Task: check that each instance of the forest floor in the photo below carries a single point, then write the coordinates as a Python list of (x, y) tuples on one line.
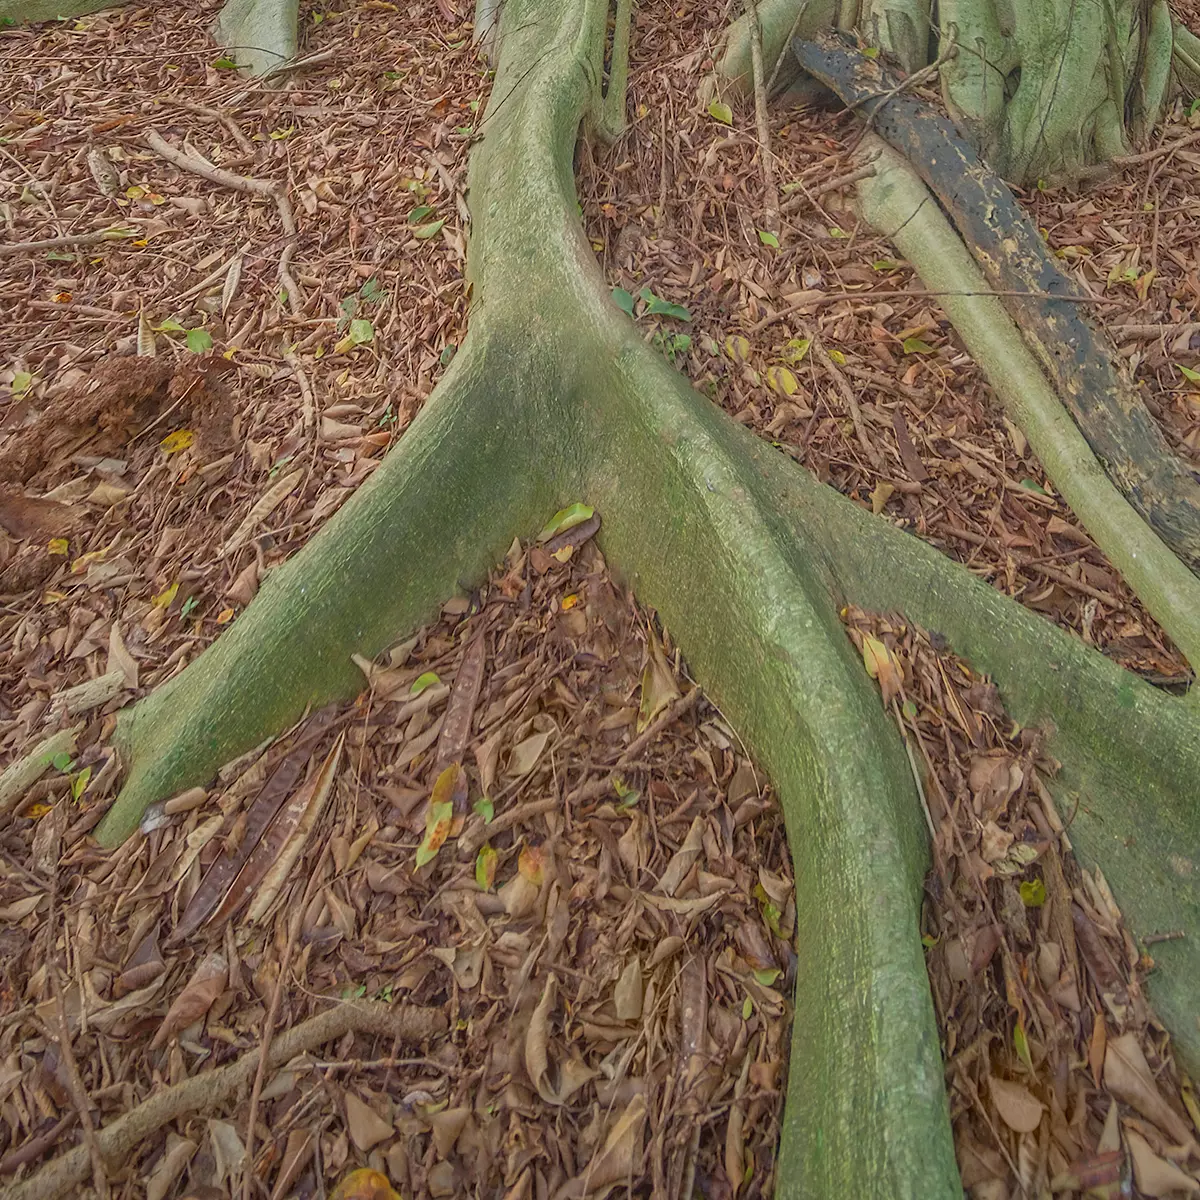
[(605, 915)]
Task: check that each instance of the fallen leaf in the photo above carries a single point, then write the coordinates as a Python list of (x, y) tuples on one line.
[(1156, 1176), (365, 1184), (1018, 1107), (658, 684), (364, 1125), (564, 519), (525, 755), (1128, 1076), (883, 666), (198, 996)]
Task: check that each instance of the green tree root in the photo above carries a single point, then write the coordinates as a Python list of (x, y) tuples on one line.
[(898, 205), (1040, 88), (1044, 302), (555, 398)]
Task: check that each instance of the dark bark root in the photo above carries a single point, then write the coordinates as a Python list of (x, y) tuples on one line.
[(1016, 261)]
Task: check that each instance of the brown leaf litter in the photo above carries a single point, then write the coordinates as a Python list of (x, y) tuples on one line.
[(631, 1054)]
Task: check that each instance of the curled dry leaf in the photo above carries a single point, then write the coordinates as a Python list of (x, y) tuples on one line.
[(206, 984), (446, 1127), (627, 996), (168, 1168), (290, 831), (682, 860), (572, 1075), (525, 755), (883, 666), (1019, 1109), (616, 1160), (658, 684), (1128, 1076)]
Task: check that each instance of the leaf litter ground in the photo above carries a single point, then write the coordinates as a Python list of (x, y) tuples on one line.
[(614, 949)]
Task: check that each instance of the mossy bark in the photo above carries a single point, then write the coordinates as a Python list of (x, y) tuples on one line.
[(555, 398)]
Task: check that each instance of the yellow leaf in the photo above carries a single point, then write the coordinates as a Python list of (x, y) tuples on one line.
[(485, 867), (365, 1184), (36, 811), (181, 439), (57, 546), (883, 666), (737, 347), (163, 599), (345, 345), (781, 380), (569, 602), (531, 863), (838, 357), (796, 350), (225, 616)]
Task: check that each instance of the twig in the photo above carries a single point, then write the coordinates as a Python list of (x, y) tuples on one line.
[(1134, 160), (830, 185), (299, 64), (79, 1096), (819, 301), (71, 239), (787, 45), (771, 192), (309, 406), (269, 1025), (847, 393), (225, 118), (119, 1140), (251, 187)]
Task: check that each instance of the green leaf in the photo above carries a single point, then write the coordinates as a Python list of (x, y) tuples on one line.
[(767, 976), (1034, 486), (424, 232), (870, 51), (914, 345), (747, 1009), (485, 867), (1192, 376), (371, 291), (361, 331), (1033, 893), (79, 783), (720, 112), (768, 239), (199, 340), (189, 606), (419, 213), (623, 300), (22, 382), (428, 679), (564, 519), (61, 761), (447, 355), (438, 819), (1194, 107), (170, 325), (886, 264), (485, 808), (225, 64), (836, 231), (656, 306), (1021, 1045), (796, 350)]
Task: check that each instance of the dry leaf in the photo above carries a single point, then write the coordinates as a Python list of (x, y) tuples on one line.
[(365, 1126), (34, 519), (168, 1168), (1157, 1176), (365, 1184), (658, 684), (525, 754), (627, 996), (1128, 1076), (202, 990), (1018, 1107)]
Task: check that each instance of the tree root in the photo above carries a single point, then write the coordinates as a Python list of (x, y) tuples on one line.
[(555, 398), (897, 204), (1013, 256), (119, 1141), (261, 34)]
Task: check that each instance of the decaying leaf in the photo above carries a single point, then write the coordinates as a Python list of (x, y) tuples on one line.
[(658, 684), (365, 1126), (365, 1184), (289, 833), (460, 708), (1018, 1107), (198, 996), (571, 1075), (883, 666)]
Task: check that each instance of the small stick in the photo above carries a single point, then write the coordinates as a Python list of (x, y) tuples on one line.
[(79, 1096), (119, 1139), (248, 186), (771, 196), (244, 143), (71, 239), (901, 294), (309, 406), (831, 185), (847, 393), (787, 45), (269, 1026)]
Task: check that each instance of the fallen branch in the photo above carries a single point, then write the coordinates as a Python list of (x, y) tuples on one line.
[(119, 1140), (250, 187), (70, 239), (771, 192)]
